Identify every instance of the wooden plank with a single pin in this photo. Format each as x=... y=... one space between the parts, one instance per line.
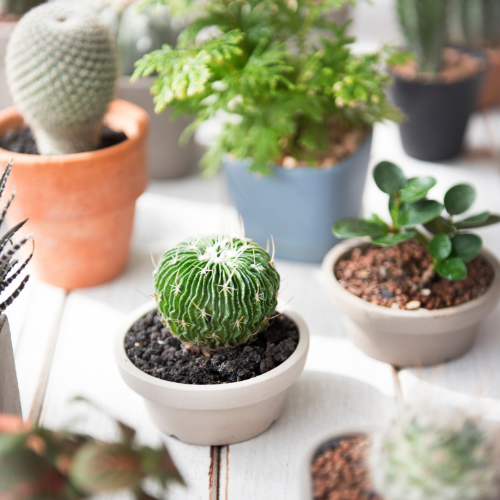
x=341 y=387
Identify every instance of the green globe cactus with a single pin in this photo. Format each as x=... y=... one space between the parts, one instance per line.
x=61 y=68
x=20 y=7
x=425 y=457
x=216 y=291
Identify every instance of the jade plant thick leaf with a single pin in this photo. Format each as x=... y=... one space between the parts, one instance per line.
x=37 y=463
x=413 y=215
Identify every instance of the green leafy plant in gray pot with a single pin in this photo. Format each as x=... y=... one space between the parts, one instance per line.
x=138 y=31
x=292 y=125
x=415 y=326
x=11 y=270
x=477 y=24
x=436 y=86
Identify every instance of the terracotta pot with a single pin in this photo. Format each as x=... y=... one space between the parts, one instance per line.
x=317 y=449
x=489 y=95
x=409 y=338
x=213 y=415
x=80 y=206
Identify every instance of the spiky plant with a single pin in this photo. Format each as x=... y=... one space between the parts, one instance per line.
x=428 y=456
x=216 y=291
x=20 y=7
x=61 y=68
x=37 y=463
x=9 y=265
x=423 y=23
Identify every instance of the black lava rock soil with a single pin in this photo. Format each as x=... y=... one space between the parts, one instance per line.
x=155 y=351
x=22 y=140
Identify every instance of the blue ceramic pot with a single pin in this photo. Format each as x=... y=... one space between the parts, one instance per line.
x=299 y=206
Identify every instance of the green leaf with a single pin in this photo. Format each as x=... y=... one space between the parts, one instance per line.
x=416 y=189
x=478 y=221
x=452 y=269
x=419 y=212
x=394 y=210
x=388 y=177
x=440 y=247
x=466 y=246
x=353 y=228
x=459 y=198
x=439 y=225
x=390 y=239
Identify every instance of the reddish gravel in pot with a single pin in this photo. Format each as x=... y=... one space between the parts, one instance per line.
x=402 y=277
x=340 y=472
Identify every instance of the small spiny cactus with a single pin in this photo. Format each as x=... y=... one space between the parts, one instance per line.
x=20 y=7
x=61 y=68
x=423 y=23
x=424 y=456
x=216 y=291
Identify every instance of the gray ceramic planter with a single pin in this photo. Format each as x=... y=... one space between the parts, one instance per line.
x=299 y=206
x=9 y=391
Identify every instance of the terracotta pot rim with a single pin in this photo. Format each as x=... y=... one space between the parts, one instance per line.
x=339 y=250
x=199 y=395
x=115 y=107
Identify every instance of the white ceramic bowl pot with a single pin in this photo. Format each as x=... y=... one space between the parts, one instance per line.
x=213 y=415
x=408 y=338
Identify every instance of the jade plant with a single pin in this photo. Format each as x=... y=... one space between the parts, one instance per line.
x=278 y=76
x=216 y=291
x=19 y=7
x=424 y=27
x=61 y=68
x=431 y=457
x=10 y=266
x=447 y=239
x=38 y=463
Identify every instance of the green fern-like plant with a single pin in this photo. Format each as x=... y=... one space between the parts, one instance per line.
x=216 y=291
x=424 y=27
x=278 y=74
x=428 y=457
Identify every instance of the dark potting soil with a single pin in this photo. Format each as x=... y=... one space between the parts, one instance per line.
x=155 y=351
x=22 y=141
x=402 y=277
x=339 y=472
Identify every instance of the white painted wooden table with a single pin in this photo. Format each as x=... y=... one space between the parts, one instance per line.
x=63 y=341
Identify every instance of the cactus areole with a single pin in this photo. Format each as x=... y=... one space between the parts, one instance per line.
x=61 y=67
x=216 y=291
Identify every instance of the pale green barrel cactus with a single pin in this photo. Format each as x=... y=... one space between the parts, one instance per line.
x=61 y=68
x=20 y=7
x=216 y=291
x=425 y=457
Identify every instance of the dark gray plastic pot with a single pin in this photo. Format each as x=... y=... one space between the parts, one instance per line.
x=299 y=206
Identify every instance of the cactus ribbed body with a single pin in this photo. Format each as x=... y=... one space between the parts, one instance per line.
x=216 y=291
x=423 y=23
x=419 y=458
x=62 y=67
x=20 y=7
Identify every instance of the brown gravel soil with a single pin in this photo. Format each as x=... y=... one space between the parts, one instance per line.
x=22 y=140
x=402 y=277
x=339 y=471
x=155 y=351
x=456 y=66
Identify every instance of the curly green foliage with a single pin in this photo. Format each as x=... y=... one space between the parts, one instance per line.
x=426 y=458
x=216 y=291
x=20 y=7
x=264 y=70
x=424 y=26
x=40 y=463
x=450 y=247
x=61 y=67
x=474 y=22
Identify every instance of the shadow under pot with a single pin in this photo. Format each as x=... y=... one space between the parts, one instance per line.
x=336 y=466
x=403 y=337
x=436 y=115
x=213 y=415
x=80 y=206
x=298 y=206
